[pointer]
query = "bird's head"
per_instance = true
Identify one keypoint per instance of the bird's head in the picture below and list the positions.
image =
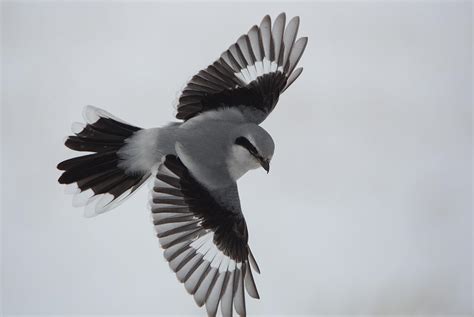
(252, 148)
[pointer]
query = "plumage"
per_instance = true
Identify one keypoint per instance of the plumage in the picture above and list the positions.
(205, 286)
(169, 180)
(176, 220)
(250, 283)
(239, 296)
(172, 252)
(255, 43)
(293, 77)
(187, 270)
(170, 240)
(168, 190)
(170, 201)
(277, 36)
(266, 37)
(289, 38)
(193, 281)
(228, 294)
(170, 209)
(195, 164)
(253, 262)
(263, 50)
(213, 298)
(296, 53)
(183, 257)
(79, 144)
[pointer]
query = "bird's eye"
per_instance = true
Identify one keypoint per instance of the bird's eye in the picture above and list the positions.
(244, 142)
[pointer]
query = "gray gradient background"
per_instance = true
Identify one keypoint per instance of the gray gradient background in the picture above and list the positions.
(367, 208)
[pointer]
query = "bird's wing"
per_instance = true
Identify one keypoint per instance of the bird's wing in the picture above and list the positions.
(204, 241)
(250, 75)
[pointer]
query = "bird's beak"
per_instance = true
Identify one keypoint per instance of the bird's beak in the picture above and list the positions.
(266, 165)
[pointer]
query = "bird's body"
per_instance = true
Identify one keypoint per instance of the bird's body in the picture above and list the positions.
(195, 164)
(192, 141)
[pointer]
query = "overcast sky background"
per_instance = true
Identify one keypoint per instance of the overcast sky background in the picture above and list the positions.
(367, 208)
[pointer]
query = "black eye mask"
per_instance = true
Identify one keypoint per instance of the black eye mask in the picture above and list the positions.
(244, 142)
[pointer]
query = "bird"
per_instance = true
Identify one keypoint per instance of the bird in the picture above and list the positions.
(193, 164)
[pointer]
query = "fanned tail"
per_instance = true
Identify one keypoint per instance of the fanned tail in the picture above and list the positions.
(96, 179)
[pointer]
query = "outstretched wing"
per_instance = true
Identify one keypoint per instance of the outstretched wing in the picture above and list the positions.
(250, 75)
(205, 242)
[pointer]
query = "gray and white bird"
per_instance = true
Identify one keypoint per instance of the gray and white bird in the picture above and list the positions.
(195, 163)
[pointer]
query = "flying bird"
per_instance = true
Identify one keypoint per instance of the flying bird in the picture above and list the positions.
(195, 163)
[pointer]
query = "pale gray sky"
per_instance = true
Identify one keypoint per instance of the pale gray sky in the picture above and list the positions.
(367, 208)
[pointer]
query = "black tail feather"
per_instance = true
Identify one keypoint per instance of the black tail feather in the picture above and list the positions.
(103, 135)
(95, 180)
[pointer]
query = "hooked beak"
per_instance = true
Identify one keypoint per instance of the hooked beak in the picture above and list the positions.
(265, 164)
